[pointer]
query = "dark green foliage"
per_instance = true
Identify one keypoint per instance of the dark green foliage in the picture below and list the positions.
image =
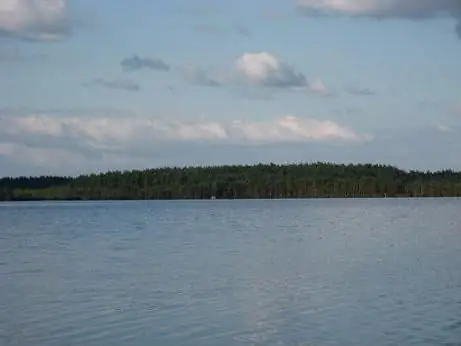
(257, 181)
(14, 188)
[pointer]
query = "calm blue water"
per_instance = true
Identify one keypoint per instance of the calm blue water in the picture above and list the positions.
(305, 272)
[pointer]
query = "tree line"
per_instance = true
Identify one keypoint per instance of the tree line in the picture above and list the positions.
(238, 181)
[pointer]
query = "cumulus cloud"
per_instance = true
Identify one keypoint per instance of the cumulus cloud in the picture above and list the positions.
(252, 71)
(135, 63)
(120, 84)
(265, 69)
(384, 9)
(35, 20)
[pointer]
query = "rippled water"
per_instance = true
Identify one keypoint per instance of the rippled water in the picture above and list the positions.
(305, 272)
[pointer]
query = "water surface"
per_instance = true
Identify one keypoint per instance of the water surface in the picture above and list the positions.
(267, 272)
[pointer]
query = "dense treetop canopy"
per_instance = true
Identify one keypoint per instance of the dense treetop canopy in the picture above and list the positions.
(238, 181)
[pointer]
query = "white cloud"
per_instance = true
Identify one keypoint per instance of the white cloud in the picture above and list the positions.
(293, 129)
(265, 69)
(318, 86)
(105, 132)
(96, 132)
(62, 144)
(256, 70)
(49, 143)
(41, 20)
(197, 131)
(384, 9)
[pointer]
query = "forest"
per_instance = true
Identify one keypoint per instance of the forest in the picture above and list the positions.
(305, 180)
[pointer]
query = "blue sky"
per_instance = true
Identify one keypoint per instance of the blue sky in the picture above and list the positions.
(114, 84)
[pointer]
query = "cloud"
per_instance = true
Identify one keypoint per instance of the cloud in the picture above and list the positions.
(120, 84)
(318, 87)
(112, 132)
(357, 91)
(408, 9)
(35, 20)
(135, 63)
(265, 69)
(384, 9)
(253, 71)
(52, 143)
(293, 129)
(55, 143)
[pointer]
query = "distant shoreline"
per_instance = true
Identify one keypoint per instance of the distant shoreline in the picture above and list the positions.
(229, 182)
(230, 199)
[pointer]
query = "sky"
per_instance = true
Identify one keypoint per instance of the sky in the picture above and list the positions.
(90, 86)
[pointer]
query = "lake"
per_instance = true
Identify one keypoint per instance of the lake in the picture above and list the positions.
(201, 273)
